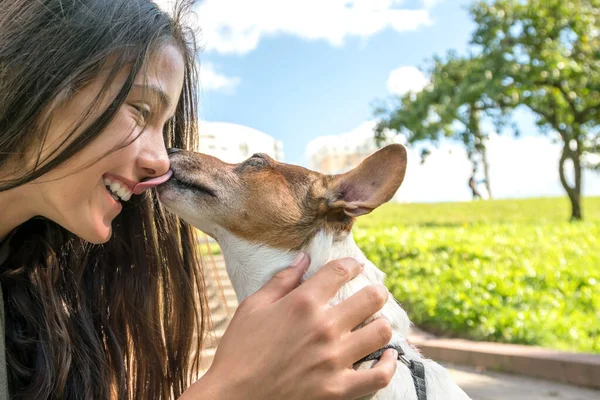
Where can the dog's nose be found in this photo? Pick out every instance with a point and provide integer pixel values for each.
(173, 150)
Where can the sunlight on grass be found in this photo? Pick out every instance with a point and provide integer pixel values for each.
(511, 271)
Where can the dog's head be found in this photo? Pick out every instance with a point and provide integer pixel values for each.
(277, 204)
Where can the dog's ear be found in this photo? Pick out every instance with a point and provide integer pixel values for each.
(372, 183)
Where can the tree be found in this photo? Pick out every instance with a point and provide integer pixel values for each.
(452, 106)
(547, 54)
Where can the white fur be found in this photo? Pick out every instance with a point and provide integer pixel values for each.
(250, 266)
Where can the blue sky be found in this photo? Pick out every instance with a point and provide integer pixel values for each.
(296, 89)
(301, 69)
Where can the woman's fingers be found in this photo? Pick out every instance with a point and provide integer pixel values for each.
(360, 306)
(330, 278)
(366, 340)
(367, 381)
(300, 329)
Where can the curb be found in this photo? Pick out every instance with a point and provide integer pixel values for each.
(579, 369)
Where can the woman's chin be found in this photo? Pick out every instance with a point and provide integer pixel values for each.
(100, 230)
(100, 235)
(92, 224)
(105, 238)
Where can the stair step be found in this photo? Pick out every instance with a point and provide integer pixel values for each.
(206, 357)
(222, 302)
(214, 338)
(221, 322)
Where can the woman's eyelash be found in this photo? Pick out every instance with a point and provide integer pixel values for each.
(142, 110)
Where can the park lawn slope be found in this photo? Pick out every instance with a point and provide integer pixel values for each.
(513, 271)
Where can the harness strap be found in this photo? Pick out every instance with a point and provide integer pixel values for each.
(417, 369)
(418, 373)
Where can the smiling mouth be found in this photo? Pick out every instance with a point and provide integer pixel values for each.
(196, 187)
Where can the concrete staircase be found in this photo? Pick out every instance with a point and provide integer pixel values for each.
(222, 303)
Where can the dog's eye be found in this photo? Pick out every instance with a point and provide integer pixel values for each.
(255, 161)
(258, 159)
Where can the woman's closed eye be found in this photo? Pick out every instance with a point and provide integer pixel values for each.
(143, 111)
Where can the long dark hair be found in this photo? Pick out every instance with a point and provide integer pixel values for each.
(120, 320)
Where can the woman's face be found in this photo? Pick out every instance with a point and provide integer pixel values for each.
(77, 198)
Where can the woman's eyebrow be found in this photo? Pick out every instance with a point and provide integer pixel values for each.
(156, 92)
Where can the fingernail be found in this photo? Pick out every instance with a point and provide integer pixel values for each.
(395, 353)
(298, 260)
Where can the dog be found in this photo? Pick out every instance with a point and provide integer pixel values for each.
(263, 213)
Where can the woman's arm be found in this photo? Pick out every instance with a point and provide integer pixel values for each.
(285, 341)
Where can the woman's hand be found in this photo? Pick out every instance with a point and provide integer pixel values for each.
(286, 342)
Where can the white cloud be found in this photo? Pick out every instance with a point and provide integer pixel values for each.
(406, 79)
(166, 5)
(212, 80)
(431, 3)
(237, 26)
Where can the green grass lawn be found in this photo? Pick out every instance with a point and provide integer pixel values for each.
(510, 270)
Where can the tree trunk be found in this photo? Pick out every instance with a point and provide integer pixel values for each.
(486, 170)
(574, 193)
(474, 127)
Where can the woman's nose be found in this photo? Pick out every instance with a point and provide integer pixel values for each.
(154, 160)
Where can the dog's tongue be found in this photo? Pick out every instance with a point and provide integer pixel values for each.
(150, 183)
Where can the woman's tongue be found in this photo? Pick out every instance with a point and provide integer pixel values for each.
(150, 183)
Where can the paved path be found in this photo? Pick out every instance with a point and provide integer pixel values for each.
(485, 385)
(498, 386)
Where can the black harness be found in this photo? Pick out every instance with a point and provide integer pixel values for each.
(417, 369)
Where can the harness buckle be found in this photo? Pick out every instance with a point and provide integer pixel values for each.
(404, 360)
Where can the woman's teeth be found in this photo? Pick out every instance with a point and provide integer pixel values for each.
(117, 191)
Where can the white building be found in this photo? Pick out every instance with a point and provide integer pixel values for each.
(234, 143)
(339, 153)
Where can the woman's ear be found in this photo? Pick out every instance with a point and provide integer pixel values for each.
(372, 183)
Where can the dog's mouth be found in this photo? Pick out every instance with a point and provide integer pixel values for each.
(200, 188)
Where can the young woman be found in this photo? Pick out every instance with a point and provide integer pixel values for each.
(102, 293)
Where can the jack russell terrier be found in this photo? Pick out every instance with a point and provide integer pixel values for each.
(263, 213)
